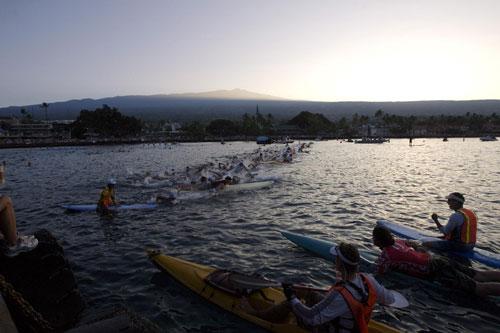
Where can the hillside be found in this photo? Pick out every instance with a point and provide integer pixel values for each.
(232, 104)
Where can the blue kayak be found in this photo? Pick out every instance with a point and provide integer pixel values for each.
(321, 247)
(483, 256)
(93, 207)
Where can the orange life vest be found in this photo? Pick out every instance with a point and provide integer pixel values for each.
(107, 197)
(469, 227)
(361, 311)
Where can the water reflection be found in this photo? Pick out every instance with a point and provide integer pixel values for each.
(337, 191)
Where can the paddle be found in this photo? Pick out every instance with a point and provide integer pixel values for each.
(249, 282)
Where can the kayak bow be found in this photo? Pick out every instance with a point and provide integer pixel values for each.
(192, 275)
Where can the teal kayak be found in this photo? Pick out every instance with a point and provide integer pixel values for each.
(321, 247)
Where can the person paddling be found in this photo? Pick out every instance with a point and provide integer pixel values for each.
(461, 229)
(107, 198)
(409, 258)
(346, 307)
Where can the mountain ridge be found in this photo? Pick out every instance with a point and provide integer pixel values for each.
(236, 94)
(234, 103)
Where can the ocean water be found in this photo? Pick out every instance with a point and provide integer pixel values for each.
(337, 191)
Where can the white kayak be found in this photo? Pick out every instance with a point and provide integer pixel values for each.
(247, 186)
(197, 195)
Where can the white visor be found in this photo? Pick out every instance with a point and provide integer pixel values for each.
(335, 251)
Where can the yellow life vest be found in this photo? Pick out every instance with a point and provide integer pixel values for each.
(107, 197)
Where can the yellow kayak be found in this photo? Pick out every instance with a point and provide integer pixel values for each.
(193, 275)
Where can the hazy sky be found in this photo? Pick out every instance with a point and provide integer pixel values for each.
(315, 50)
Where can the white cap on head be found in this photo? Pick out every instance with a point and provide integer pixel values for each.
(399, 301)
(111, 181)
(335, 251)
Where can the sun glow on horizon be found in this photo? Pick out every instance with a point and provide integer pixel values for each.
(429, 69)
(386, 50)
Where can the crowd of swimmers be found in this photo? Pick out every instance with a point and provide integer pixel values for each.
(209, 176)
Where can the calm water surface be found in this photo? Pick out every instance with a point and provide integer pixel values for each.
(336, 191)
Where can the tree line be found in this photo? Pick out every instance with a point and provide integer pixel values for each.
(109, 122)
(470, 124)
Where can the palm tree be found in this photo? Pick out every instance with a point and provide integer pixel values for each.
(45, 106)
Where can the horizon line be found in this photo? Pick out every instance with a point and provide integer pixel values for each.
(270, 98)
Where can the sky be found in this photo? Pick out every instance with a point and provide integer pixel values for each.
(352, 50)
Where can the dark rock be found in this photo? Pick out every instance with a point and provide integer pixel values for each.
(44, 278)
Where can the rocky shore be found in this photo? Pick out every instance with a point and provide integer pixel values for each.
(41, 294)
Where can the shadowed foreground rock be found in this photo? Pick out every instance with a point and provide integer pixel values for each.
(41, 293)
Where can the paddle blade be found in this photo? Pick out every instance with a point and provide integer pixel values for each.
(399, 300)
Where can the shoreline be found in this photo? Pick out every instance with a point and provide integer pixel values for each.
(109, 142)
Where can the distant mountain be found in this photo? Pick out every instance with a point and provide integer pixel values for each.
(232, 104)
(178, 107)
(235, 94)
